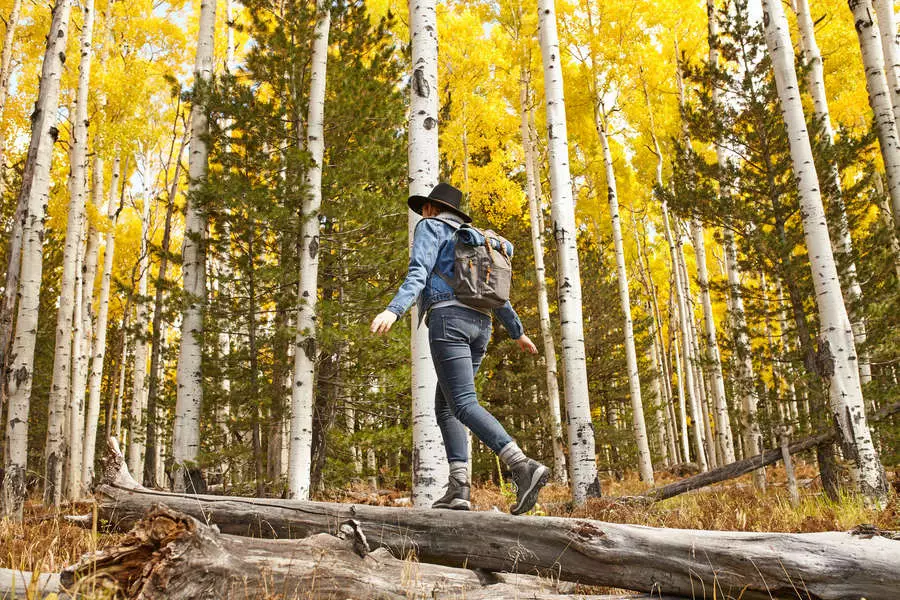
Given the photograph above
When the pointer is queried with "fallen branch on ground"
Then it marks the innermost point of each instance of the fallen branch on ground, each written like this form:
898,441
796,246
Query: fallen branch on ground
670,561
742,467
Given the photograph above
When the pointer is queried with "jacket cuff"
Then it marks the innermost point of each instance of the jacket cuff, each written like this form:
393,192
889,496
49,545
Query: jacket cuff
396,310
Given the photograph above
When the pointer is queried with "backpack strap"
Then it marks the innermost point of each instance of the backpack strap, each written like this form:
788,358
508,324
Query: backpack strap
456,227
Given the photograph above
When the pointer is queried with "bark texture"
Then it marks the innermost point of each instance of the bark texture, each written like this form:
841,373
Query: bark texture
429,461
837,345
35,187
582,461
303,389
189,376
645,463
880,98
537,242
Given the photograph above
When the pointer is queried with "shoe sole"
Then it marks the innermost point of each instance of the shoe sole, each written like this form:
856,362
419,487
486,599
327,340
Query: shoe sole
538,480
455,504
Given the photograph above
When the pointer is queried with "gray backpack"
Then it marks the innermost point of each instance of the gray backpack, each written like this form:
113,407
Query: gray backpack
482,267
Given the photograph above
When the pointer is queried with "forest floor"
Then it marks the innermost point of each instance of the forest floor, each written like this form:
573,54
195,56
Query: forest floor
47,543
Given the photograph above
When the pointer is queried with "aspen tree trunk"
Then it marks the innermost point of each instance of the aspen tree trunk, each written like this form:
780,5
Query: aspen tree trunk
534,209
838,345
880,97
679,370
189,375
303,391
689,352
816,82
890,48
120,395
74,411
12,22
724,439
724,436
99,349
150,461
637,406
81,362
583,463
430,469
751,437
8,305
136,447
60,390
743,362
687,390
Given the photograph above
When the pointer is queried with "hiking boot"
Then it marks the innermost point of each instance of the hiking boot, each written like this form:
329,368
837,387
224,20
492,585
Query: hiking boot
529,476
456,498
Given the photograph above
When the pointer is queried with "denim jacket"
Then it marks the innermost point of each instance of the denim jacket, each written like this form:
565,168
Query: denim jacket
432,252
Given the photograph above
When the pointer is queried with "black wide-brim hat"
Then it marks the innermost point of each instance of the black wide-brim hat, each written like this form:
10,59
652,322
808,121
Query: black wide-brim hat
445,196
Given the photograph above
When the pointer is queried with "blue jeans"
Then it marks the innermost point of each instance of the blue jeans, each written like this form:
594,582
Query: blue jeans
458,338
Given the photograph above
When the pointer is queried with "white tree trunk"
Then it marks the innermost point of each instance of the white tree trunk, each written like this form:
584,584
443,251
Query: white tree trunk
686,384
77,485
645,463
430,469
74,410
537,242
141,351
582,460
724,439
12,22
99,348
303,389
189,375
15,237
838,347
35,187
880,97
60,389
745,375
890,47
816,82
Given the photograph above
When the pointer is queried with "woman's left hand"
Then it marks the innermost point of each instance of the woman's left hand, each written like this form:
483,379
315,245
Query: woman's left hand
526,344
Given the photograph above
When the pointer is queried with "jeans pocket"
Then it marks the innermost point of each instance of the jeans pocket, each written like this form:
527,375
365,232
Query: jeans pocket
456,328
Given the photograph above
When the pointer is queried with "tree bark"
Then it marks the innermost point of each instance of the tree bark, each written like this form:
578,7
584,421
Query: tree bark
532,190
645,463
751,565
189,375
78,487
303,390
138,412
429,463
35,187
61,385
582,460
890,48
880,97
150,462
838,353
99,351
816,82
12,22
173,556
18,223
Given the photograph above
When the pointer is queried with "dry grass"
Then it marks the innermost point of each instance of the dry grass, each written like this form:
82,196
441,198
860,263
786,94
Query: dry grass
734,505
46,543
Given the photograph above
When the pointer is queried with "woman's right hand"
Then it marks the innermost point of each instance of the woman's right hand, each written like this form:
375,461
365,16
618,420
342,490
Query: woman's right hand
382,323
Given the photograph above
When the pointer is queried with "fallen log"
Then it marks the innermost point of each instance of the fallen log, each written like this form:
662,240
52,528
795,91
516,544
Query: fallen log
171,556
658,561
19,584
742,467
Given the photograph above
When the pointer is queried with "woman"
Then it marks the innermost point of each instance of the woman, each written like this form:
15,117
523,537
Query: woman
458,335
